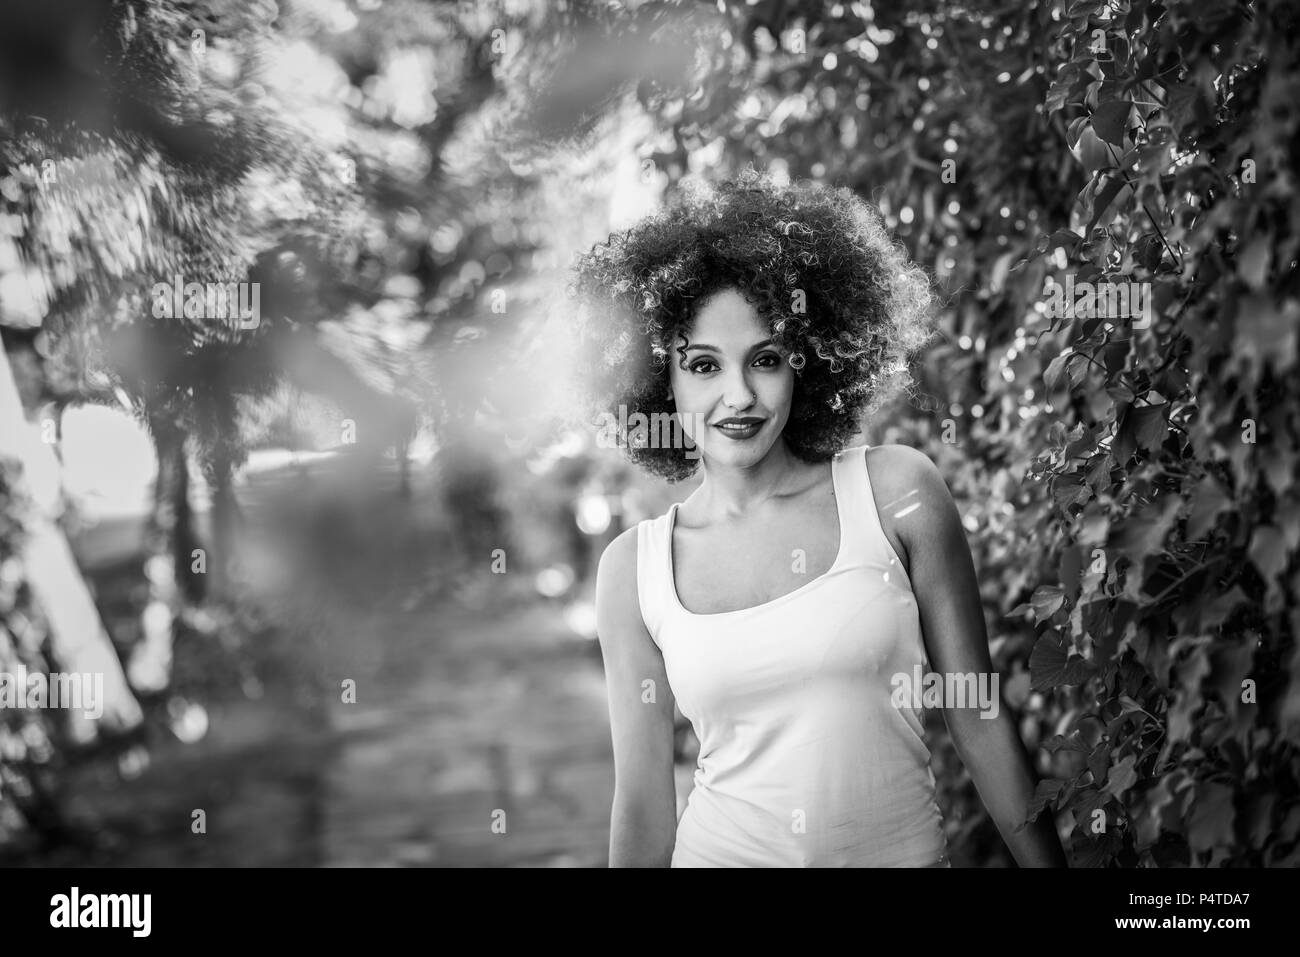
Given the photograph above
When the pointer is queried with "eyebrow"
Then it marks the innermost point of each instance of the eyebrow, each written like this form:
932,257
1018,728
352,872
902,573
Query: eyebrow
704,345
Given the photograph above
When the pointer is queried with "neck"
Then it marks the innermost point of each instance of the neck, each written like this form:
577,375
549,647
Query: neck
729,490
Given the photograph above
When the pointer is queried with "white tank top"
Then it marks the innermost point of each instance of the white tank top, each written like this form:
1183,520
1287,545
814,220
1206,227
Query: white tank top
804,761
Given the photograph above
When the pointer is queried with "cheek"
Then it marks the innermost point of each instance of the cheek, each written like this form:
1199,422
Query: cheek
687,389
678,386
779,391
687,404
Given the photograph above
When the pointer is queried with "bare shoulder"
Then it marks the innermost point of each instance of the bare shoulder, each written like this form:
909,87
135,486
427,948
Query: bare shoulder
616,586
911,495
616,570
899,468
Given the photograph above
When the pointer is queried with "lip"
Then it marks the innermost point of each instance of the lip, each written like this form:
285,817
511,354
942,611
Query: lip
739,428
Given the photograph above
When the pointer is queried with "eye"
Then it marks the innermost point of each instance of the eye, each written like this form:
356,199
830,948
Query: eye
775,360
695,367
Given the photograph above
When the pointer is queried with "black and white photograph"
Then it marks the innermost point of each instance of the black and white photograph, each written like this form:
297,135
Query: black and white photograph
650,434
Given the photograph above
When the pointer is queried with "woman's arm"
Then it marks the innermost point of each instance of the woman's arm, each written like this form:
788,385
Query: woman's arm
643,819
952,620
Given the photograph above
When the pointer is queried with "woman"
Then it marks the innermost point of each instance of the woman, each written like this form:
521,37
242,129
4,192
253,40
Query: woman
785,601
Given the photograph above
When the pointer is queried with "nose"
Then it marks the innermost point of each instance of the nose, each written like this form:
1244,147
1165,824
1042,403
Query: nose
738,395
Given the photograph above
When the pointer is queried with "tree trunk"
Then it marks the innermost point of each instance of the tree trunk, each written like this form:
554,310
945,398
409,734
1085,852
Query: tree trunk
225,523
78,639
171,527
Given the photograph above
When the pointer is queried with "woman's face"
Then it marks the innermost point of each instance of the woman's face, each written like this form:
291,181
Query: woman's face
733,371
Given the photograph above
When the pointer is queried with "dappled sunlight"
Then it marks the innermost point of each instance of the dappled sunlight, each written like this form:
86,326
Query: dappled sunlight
334,553
109,463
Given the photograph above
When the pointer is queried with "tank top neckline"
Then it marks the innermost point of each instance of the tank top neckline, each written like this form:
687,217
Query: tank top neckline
836,465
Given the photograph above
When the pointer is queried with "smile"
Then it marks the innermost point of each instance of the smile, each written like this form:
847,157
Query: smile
740,430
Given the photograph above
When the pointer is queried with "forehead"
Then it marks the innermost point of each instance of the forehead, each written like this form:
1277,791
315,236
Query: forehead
727,314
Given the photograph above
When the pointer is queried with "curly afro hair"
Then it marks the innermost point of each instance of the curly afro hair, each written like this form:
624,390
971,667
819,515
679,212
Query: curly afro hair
840,298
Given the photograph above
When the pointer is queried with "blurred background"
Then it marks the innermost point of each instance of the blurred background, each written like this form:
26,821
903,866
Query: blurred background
336,565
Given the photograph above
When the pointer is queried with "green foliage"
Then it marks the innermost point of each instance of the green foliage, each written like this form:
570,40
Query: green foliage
1177,473
130,157
1129,487
185,168
234,141
27,736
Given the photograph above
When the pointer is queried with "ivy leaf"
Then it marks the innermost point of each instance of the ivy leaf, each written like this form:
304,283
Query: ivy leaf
1105,196
1066,239
1252,262
1047,662
1096,617
1212,817
1144,533
1149,250
1085,801
1268,551
1098,760
1149,822
1115,726
1110,119
1095,853
1216,612
1181,715
1231,663
1279,467
1051,664
1122,776
1044,795
1127,704
1260,814
1055,369
1185,104
1075,130
1121,614
1143,426
1070,570
1121,394
1114,356
1059,742
1099,471
1085,441
1150,426
1046,600
1267,334
1059,90
1078,372
1067,495
1208,501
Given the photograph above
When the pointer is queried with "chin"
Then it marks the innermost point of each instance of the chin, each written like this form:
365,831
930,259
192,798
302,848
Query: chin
728,452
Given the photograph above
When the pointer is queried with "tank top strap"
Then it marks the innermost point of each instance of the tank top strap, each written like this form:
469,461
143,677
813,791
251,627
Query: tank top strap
867,543
652,571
